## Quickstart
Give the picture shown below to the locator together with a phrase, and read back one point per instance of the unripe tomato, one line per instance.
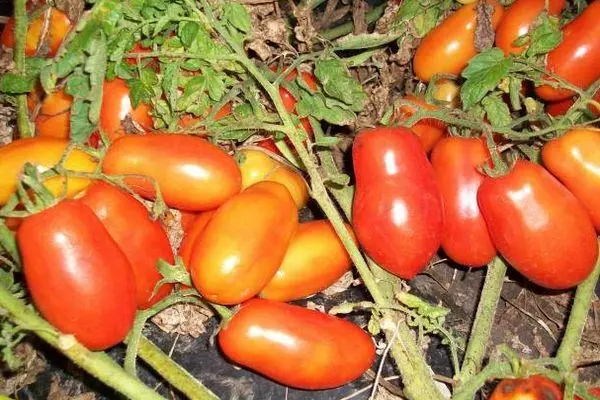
(448, 91)
(428, 130)
(54, 117)
(465, 237)
(447, 48)
(539, 227)
(117, 115)
(143, 246)
(44, 152)
(58, 27)
(191, 235)
(536, 387)
(192, 173)
(314, 260)
(575, 160)
(517, 20)
(257, 165)
(295, 346)
(244, 243)
(78, 277)
(577, 58)
(397, 211)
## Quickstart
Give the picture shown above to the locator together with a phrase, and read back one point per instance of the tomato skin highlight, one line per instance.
(536, 387)
(541, 229)
(79, 278)
(465, 237)
(428, 130)
(244, 243)
(517, 20)
(574, 159)
(447, 48)
(45, 152)
(272, 338)
(314, 260)
(397, 213)
(143, 246)
(577, 58)
(54, 117)
(192, 174)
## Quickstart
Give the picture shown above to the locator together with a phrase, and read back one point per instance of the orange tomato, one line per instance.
(54, 117)
(536, 387)
(447, 48)
(191, 235)
(244, 243)
(189, 120)
(429, 130)
(315, 260)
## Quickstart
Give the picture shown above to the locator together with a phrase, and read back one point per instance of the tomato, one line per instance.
(558, 108)
(78, 277)
(45, 152)
(517, 20)
(397, 211)
(137, 48)
(577, 58)
(536, 387)
(268, 144)
(465, 238)
(58, 27)
(575, 160)
(447, 48)
(539, 227)
(191, 235)
(192, 173)
(244, 243)
(289, 101)
(315, 260)
(189, 120)
(117, 115)
(54, 117)
(187, 220)
(144, 245)
(295, 346)
(448, 91)
(257, 165)
(428, 130)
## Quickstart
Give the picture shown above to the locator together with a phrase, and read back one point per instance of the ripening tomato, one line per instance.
(575, 160)
(465, 237)
(58, 27)
(428, 130)
(44, 152)
(448, 91)
(517, 20)
(79, 278)
(189, 120)
(315, 260)
(257, 165)
(536, 387)
(191, 235)
(397, 211)
(54, 117)
(117, 115)
(447, 48)
(295, 346)
(577, 58)
(541, 229)
(143, 245)
(192, 174)
(244, 243)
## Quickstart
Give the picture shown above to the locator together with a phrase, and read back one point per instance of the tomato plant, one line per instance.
(192, 174)
(79, 278)
(314, 260)
(271, 338)
(396, 192)
(536, 387)
(428, 130)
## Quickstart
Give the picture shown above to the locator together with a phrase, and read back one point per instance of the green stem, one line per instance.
(20, 34)
(223, 311)
(8, 242)
(98, 364)
(569, 345)
(484, 320)
(492, 371)
(348, 27)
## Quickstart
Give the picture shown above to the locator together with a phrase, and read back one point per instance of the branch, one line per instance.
(20, 34)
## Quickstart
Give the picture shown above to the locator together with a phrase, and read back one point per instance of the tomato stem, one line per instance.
(20, 34)
(8, 242)
(223, 311)
(348, 27)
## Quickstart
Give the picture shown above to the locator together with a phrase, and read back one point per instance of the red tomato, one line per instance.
(54, 117)
(192, 173)
(429, 130)
(78, 277)
(536, 387)
(517, 20)
(137, 48)
(244, 243)
(558, 108)
(541, 229)
(397, 212)
(268, 144)
(189, 120)
(191, 235)
(465, 237)
(187, 220)
(295, 346)
(447, 48)
(144, 245)
(58, 27)
(575, 160)
(315, 260)
(289, 101)
(577, 58)
(117, 115)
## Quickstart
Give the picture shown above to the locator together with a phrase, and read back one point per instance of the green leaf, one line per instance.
(496, 110)
(426, 21)
(373, 326)
(81, 126)
(545, 36)
(215, 84)
(170, 84)
(314, 104)
(187, 32)
(483, 74)
(11, 83)
(237, 15)
(338, 180)
(139, 92)
(338, 83)
(408, 10)
(365, 41)
(78, 85)
(95, 66)
(327, 141)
